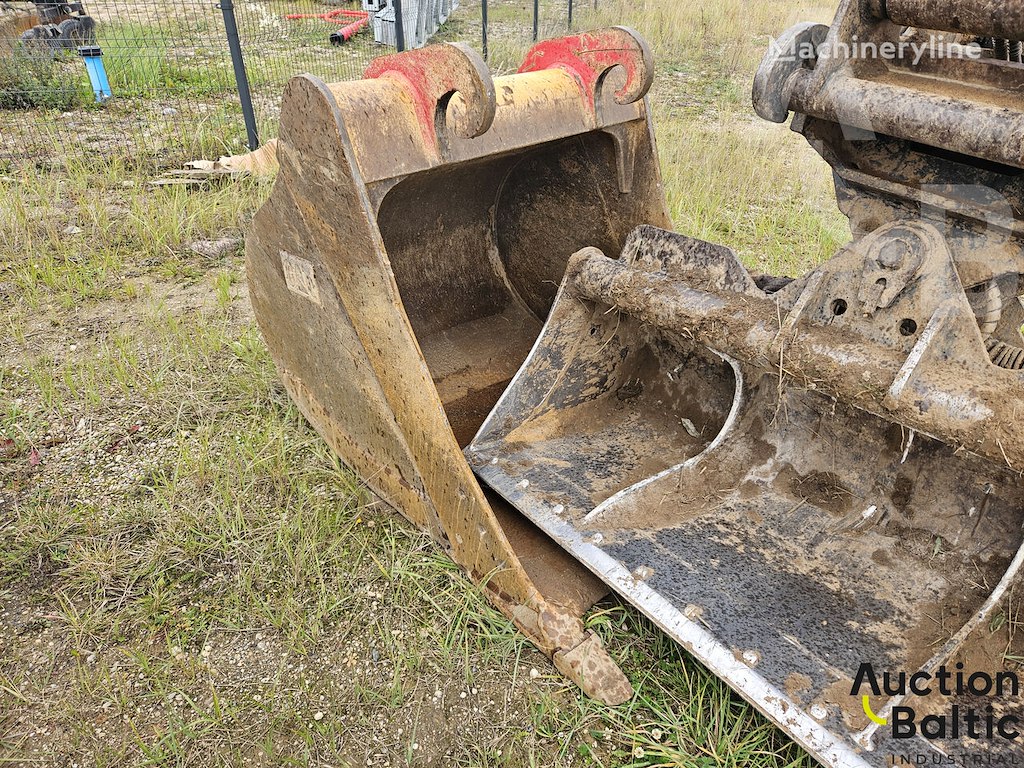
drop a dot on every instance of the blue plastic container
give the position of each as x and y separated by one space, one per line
93 58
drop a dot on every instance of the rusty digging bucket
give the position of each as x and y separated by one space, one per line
402 269
812 484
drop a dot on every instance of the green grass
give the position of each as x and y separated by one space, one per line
183 508
174 94
38 81
145 59
141 61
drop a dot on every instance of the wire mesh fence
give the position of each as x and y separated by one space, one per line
170 74
154 80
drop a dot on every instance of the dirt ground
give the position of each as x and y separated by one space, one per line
369 682
189 577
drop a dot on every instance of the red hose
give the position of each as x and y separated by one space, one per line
346 33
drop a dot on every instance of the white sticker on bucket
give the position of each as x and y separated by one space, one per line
300 277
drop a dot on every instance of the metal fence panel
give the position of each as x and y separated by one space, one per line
174 91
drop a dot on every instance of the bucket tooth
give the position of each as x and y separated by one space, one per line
401 270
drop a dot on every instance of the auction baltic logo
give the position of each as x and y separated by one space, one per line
954 722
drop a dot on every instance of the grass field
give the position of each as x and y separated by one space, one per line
187 575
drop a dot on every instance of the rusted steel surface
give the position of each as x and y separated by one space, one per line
995 18
788 476
431 76
589 55
402 268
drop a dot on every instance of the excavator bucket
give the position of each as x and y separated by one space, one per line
813 484
403 266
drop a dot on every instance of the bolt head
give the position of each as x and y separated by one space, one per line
894 254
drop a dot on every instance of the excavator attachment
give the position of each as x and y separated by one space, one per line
403 266
813 484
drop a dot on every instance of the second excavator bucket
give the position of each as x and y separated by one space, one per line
815 484
734 467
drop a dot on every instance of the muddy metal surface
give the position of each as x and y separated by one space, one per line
751 502
401 270
797 482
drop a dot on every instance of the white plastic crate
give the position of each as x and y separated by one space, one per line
422 19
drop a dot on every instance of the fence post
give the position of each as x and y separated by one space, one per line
483 29
399 26
570 15
536 19
227 7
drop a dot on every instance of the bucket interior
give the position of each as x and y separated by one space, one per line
478 250
806 536
603 404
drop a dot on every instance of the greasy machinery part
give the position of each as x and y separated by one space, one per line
793 478
997 18
948 99
403 266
